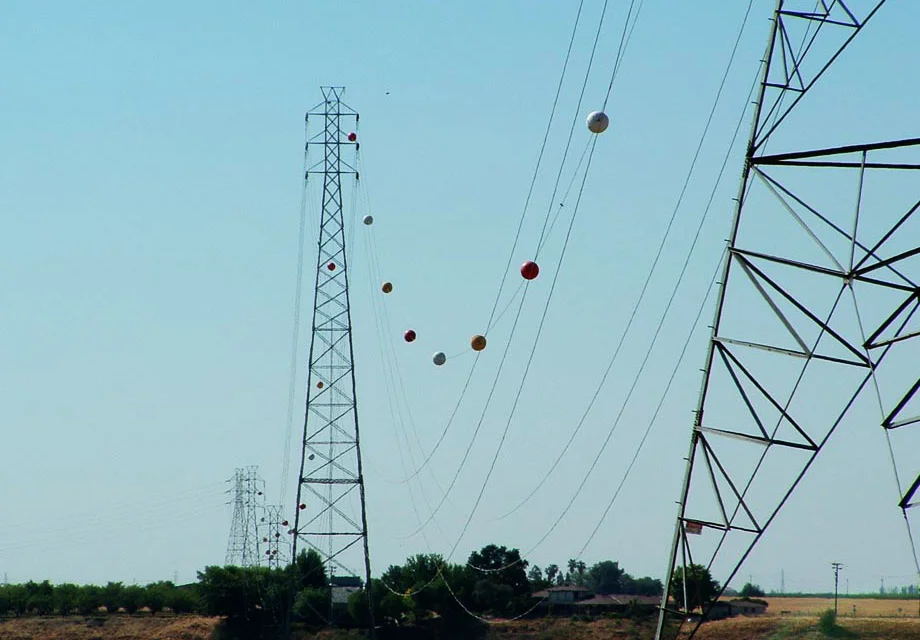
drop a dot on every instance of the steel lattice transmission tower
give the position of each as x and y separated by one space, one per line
248 494
274 537
816 305
331 516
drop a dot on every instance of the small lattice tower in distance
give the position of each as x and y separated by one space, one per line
274 537
248 495
330 511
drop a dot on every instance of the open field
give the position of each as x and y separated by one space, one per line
805 628
865 607
770 627
111 628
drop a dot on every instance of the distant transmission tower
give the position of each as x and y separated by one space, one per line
248 495
818 295
274 537
330 516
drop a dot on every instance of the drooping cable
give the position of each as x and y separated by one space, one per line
660 251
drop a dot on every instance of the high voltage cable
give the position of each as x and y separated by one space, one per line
555 276
654 417
295 338
650 347
520 308
514 244
659 253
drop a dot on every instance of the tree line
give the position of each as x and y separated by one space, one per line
494 581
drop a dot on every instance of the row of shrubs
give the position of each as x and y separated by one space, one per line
43 598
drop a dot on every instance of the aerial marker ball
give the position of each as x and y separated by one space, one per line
387 287
439 358
331 266
310 457
598 122
478 343
284 523
302 506
409 336
352 136
320 385
530 270
368 220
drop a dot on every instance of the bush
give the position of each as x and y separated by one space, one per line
131 598
827 623
89 600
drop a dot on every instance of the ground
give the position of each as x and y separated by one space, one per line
787 619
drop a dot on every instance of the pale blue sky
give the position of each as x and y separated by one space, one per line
150 188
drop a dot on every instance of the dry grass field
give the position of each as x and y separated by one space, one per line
865 607
114 628
805 628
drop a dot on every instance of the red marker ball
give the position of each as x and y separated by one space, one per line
409 335
302 506
352 137
530 270
331 266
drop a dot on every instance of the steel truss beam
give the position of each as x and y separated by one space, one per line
814 292
331 483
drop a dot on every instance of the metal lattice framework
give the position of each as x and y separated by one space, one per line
274 537
243 545
818 294
331 517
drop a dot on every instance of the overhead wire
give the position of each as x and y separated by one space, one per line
490 324
295 331
509 341
660 251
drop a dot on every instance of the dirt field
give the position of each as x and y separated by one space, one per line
113 628
804 628
865 607
798 626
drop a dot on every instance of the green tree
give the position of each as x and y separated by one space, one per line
552 570
535 577
309 571
701 588
18 598
111 596
132 598
312 605
607 577
65 598
155 595
646 586
183 600
501 585
751 591
89 599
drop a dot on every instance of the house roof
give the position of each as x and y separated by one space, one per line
620 599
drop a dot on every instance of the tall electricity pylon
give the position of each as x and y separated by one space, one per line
248 494
330 516
818 295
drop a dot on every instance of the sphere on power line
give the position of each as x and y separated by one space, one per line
598 122
331 266
352 136
530 270
320 385
386 287
284 523
368 220
478 343
409 335
302 506
439 358
311 456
